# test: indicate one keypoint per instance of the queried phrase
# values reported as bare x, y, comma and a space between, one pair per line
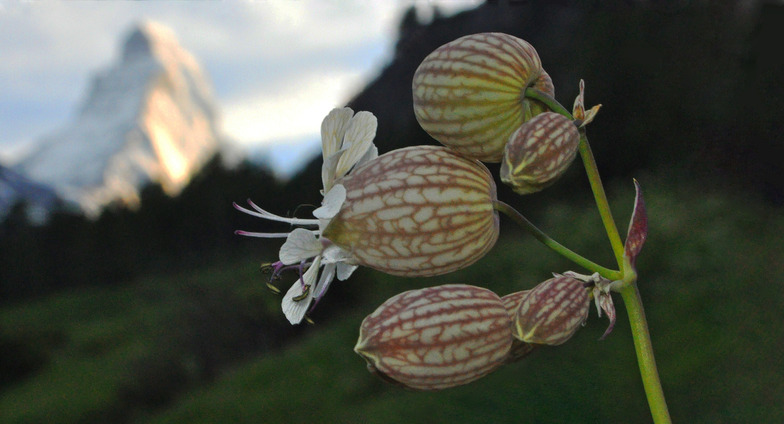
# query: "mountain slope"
150, 117
16, 188
708, 107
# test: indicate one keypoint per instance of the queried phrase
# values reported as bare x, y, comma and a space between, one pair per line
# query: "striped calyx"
512, 302
539, 152
469, 93
437, 337
519, 349
415, 212
552, 311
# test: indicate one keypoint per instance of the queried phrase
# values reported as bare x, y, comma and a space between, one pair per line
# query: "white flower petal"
371, 154
358, 139
334, 253
300, 245
333, 200
333, 129
327, 276
295, 310
343, 259
328, 170
345, 270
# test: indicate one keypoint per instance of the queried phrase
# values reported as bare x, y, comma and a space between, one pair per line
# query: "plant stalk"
601, 198
645, 358
522, 221
629, 293
549, 100
628, 290
593, 174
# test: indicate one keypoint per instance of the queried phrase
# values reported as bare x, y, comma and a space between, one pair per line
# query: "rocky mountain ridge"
149, 117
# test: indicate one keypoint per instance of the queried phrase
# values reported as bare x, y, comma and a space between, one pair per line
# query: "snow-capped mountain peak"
150, 117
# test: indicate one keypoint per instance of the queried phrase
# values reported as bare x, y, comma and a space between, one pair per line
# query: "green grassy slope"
710, 276
711, 281
99, 353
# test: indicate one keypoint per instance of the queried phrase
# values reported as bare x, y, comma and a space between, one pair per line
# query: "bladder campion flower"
553, 311
437, 337
430, 210
519, 349
416, 212
539, 152
347, 141
469, 93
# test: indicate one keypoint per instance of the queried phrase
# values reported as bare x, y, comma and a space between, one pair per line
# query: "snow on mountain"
150, 117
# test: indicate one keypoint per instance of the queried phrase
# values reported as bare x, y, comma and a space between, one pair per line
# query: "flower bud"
437, 337
417, 211
552, 311
512, 302
519, 348
539, 152
469, 93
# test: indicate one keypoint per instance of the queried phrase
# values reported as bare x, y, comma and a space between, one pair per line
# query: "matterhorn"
147, 118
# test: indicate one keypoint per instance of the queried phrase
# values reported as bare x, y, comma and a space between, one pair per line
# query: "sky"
277, 66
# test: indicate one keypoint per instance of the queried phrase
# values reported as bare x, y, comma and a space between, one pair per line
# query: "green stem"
629, 292
645, 359
601, 199
593, 174
547, 99
521, 220
628, 288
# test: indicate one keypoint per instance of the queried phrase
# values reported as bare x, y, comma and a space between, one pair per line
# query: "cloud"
293, 109
277, 66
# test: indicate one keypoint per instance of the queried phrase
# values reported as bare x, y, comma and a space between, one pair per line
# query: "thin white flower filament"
261, 213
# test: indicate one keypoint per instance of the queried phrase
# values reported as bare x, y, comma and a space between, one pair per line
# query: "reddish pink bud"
512, 302
437, 337
519, 349
469, 93
552, 311
638, 227
539, 152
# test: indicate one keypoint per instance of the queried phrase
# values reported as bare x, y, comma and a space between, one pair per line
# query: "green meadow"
209, 345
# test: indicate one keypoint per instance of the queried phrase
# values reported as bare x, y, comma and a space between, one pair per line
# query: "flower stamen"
303, 295
261, 213
263, 235
347, 142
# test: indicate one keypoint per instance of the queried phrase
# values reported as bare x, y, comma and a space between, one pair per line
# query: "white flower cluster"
347, 142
